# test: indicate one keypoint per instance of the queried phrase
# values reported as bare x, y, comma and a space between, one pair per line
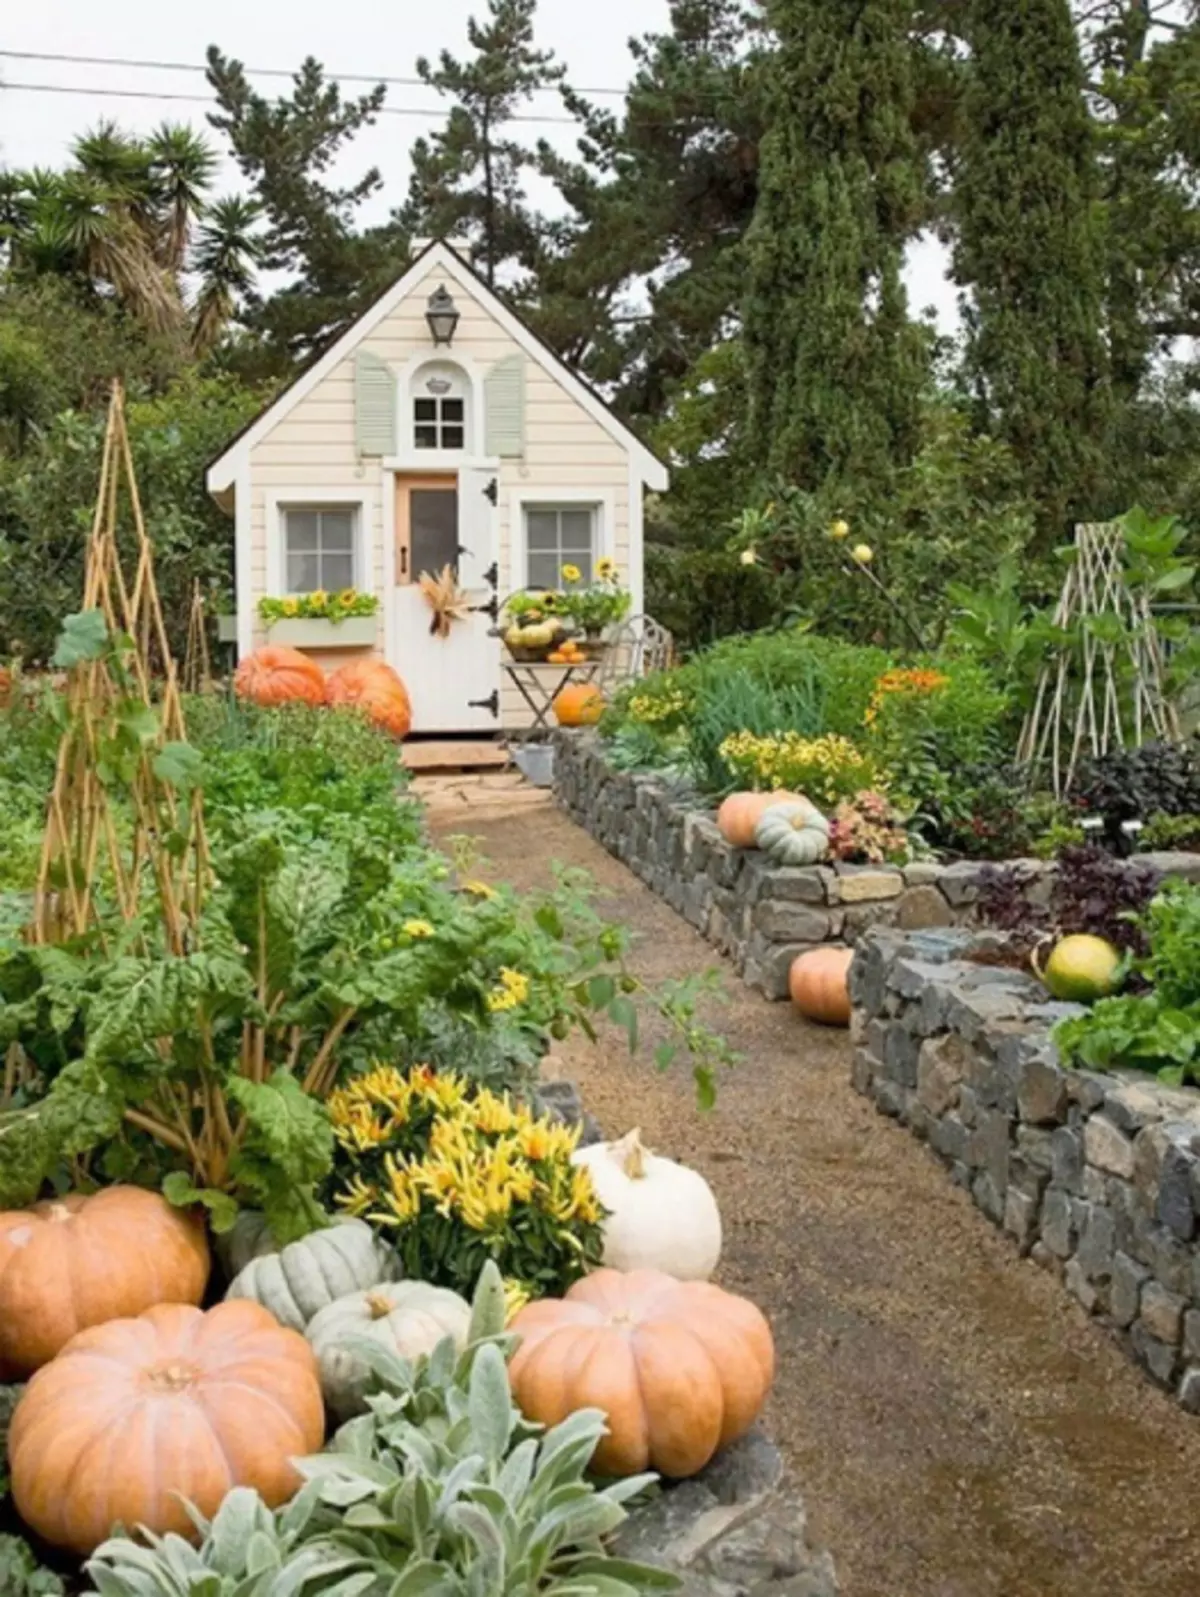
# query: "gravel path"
956, 1424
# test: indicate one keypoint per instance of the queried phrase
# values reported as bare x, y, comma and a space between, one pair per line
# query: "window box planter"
355, 632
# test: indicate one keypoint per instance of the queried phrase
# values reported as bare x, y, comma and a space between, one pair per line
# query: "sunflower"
571, 574
606, 569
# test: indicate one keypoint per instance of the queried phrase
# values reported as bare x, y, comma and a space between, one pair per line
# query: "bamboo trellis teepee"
1104, 687
197, 661
124, 726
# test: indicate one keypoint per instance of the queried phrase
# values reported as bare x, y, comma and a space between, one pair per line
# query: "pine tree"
1029, 255
835, 366
468, 181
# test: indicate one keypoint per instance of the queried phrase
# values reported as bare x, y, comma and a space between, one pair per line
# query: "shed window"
319, 548
558, 536
439, 409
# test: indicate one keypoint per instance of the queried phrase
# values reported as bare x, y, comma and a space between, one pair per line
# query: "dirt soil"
956, 1424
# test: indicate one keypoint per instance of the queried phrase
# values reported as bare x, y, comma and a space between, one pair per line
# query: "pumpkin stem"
630, 1154
378, 1306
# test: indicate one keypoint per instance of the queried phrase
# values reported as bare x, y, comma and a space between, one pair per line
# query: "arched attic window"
440, 409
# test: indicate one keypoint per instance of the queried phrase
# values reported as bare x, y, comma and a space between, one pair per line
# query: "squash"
137, 1414
249, 1239
276, 675
661, 1215
818, 983
77, 1261
307, 1276
681, 1368
6, 683
579, 704
374, 688
409, 1317
741, 813
793, 834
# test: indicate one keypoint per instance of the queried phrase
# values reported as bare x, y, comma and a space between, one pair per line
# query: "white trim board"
440, 259
604, 500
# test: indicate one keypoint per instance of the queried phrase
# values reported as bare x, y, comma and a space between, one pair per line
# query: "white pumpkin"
306, 1276
410, 1317
661, 1215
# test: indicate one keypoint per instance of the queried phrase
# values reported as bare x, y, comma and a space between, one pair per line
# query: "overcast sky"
348, 36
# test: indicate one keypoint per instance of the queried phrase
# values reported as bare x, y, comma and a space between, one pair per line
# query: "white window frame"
409, 457
360, 501
602, 502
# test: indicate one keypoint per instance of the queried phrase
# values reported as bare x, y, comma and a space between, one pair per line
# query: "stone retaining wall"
761, 916
1096, 1176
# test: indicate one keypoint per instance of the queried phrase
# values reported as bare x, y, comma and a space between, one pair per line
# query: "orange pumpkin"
276, 675
5, 685
579, 704
819, 987
741, 813
79, 1261
681, 1368
375, 689
136, 1414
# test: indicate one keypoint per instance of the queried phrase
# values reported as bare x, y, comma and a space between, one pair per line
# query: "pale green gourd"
306, 1276
793, 834
409, 1317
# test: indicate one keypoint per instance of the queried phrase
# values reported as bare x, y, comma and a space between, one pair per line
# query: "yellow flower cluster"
511, 993
606, 569
650, 709
912, 683
824, 769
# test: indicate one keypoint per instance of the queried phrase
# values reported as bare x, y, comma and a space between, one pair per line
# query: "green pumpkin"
306, 1276
793, 834
410, 1317
249, 1239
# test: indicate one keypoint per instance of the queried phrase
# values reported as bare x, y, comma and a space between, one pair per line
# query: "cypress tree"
1030, 257
834, 364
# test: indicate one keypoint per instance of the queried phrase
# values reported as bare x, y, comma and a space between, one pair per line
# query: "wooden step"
450, 754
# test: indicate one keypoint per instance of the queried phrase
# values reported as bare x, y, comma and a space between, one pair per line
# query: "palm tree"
225, 255
183, 166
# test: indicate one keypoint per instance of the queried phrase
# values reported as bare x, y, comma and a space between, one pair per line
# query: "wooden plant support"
85, 840
197, 661
1104, 691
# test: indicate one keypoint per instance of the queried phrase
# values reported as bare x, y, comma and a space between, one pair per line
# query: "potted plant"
322, 620
536, 624
595, 606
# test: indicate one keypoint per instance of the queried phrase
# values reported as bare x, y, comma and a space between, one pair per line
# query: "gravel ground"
957, 1426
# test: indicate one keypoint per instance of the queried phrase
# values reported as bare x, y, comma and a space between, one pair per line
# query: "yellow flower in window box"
571, 574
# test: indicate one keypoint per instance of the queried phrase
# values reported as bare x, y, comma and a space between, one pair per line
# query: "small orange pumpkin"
579, 704
135, 1415
373, 687
681, 1368
78, 1261
741, 813
275, 675
5, 685
818, 983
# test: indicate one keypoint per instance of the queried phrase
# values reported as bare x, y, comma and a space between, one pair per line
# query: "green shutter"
374, 405
504, 404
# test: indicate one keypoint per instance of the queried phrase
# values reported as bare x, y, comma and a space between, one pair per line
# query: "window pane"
577, 530
543, 570
301, 529
337, 572
452, 410
302, 573
452, 437
426, 437
337, 530
425, 410
434, 530
542, 529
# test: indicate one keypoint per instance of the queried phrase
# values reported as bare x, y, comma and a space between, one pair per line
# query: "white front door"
447, 520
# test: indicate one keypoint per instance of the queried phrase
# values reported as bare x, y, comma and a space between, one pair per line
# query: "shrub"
1156, 779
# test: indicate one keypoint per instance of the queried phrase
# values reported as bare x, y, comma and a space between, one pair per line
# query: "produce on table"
138, 1414
793, 834
681, 1368
309, 1275
276, 675
818, 983
579, 704
1082, 970
78, 1261
661, 1215
373, 687
740, 814
410, 1317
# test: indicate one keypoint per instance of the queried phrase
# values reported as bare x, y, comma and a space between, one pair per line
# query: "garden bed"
759, 915
1097, 1177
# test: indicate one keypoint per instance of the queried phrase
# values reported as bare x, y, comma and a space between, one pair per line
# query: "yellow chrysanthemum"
512, 992
418, 929
516, 1295
480, 890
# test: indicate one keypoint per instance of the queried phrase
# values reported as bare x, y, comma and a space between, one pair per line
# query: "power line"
254, 72
430, 113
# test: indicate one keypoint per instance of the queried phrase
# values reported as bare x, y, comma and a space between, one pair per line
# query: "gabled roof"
439, 256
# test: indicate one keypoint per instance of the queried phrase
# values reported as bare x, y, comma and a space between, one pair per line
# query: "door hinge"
492, 492
492, 575
491, 704
491, 608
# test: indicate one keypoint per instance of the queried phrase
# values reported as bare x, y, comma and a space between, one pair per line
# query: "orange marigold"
903, 681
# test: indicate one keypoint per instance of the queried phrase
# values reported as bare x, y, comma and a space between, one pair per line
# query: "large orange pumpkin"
376, 689
681, 1368
741, 813
79, 1261
276, 675
136, 1414
579, 704
818, 985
